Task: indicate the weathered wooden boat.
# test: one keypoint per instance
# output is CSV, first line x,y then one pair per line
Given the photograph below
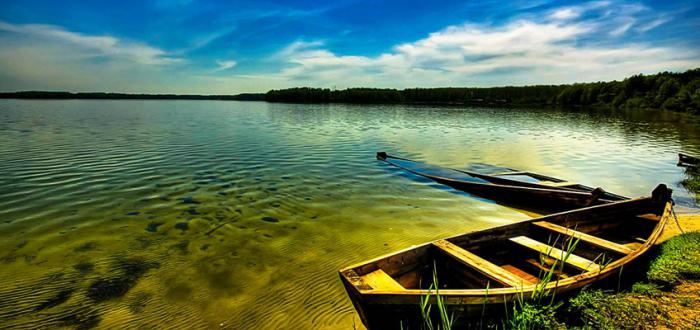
x,y
687,160
515,188
488,268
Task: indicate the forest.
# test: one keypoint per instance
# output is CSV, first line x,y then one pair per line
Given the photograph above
x,y
666,90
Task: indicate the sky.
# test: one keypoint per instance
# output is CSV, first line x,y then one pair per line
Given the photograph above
x,y
229,47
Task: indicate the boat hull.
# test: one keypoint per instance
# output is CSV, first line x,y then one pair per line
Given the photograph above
x,y
520,194
381,307
687,160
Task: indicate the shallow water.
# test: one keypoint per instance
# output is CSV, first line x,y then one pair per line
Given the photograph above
x,y
239,214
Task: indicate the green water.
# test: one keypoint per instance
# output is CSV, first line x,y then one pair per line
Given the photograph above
x,y
197,214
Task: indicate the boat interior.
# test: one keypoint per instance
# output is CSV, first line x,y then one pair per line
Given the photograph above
x,y
520,254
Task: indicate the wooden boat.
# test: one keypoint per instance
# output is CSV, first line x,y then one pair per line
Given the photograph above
x,y
488,268
515,188
688,160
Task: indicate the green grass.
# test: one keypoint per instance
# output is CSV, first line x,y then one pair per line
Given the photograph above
x,y
445,320
679,258
603,310
647,289
528,316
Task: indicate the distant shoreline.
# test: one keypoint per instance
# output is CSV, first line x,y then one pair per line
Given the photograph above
x,y
45,95
674,91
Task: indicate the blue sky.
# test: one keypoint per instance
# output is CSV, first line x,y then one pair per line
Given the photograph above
x,y
194,46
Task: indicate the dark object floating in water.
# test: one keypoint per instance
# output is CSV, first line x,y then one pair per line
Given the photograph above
x,y
525,190
133,213
130,271
190,200
688,160
182,226
153,226
54,301
192,211
494,267
270,219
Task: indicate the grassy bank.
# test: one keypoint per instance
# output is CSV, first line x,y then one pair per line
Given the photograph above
x,y
667,296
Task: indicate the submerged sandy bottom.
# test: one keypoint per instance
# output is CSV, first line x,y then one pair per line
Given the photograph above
x,y
208,214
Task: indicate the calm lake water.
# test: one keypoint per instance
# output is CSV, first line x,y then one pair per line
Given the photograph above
x,y
202,214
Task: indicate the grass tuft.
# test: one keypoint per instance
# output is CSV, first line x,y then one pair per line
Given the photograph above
x,y
603,310
679,258
647,289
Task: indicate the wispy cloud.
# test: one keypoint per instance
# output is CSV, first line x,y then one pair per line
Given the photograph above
x,y
93,45
565,13
225,65
653,24
524,51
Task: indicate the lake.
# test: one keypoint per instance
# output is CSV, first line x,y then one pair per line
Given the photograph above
x,y
202,214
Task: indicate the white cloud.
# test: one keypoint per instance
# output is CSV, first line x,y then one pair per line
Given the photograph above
x,y
565,13
586,42
90,45
526,51
225,65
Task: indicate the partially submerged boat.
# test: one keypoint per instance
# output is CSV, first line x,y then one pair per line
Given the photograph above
x,y
688,160
488,268
515,188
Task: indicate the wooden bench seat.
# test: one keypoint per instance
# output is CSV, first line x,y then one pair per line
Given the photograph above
x,y
590,239
552,252
483,266
379,280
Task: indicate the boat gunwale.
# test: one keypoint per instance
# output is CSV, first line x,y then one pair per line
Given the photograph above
x,y
502,293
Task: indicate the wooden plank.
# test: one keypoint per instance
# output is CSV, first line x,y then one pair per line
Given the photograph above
x,y
552,252
521,273
481,265
590,239
546,268
509,173
379,280
558,184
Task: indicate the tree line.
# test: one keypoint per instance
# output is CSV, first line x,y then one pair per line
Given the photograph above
x,y
666,90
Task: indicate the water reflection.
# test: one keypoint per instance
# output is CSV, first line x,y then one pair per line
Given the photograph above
x,y
172,213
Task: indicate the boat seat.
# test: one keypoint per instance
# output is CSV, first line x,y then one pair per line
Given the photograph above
x,y
546,268
483,266
531,279
552,252
379,280
590,239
